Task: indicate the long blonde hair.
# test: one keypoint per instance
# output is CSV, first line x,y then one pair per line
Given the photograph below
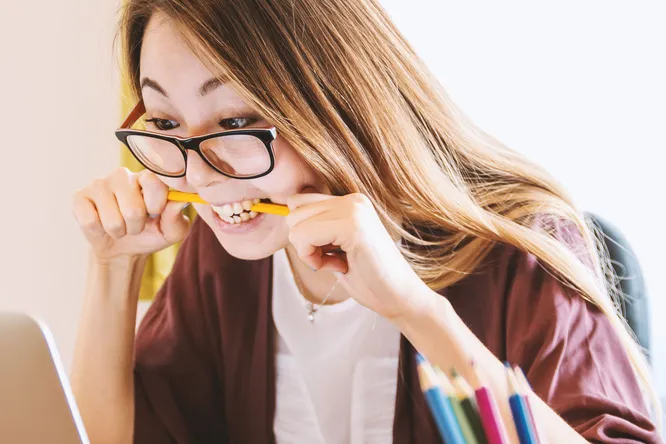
x,y
349,93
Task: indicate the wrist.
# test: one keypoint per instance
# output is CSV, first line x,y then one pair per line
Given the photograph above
x,y
120,263
115,279
422,305
434,328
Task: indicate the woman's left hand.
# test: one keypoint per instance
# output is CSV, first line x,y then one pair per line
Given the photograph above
x,y
372,269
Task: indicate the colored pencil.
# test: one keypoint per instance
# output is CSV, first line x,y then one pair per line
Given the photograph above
x,y
469,407
452,397
524,388
261,207
519,410
488,411
440,408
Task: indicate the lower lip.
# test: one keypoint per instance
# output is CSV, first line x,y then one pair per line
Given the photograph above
x,y
240,228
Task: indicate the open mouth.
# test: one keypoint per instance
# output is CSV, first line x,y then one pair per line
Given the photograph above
x,y
237,212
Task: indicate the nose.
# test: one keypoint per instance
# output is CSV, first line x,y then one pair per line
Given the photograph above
x,y
198,173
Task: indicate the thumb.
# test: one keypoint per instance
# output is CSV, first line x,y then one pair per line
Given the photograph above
x,y
174,225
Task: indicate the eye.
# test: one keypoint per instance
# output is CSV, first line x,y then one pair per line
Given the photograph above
x,y
163,124
236,122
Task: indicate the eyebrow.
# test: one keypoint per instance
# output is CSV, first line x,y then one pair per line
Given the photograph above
x,y
206,88
147,82
209,86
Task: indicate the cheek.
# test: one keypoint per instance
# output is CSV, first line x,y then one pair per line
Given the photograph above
x,y
177,183
290,172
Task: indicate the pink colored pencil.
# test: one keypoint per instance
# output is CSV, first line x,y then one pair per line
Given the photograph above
x,y
489,412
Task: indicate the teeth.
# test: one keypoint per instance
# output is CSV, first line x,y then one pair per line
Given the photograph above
x,y
236,212
237,219
227,210
223,211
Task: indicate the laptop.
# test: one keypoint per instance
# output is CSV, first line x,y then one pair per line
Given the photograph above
x,y
36,402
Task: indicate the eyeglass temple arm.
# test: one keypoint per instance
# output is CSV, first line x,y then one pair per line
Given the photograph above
x,y
137,112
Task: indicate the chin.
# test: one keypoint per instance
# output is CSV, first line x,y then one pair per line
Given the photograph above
x,y
253,253
249,241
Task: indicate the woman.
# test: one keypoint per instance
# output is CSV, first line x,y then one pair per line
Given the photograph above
x,y
409,229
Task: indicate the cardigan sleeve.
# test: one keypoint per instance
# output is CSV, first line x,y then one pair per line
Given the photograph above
x,y
572,357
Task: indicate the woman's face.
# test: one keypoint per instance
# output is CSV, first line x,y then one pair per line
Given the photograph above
x,y
172,79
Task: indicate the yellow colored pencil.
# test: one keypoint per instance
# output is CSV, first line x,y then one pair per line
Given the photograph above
x,y
261,207
179,196
450,392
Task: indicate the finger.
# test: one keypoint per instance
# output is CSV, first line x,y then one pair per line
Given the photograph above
x,y
154,192
108,211
315,233
335,262
311,209
298,200
317,259
330,249
86,216
130,202
313,239
174,225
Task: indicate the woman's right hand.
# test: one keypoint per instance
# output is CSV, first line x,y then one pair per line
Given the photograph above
x,y
128,214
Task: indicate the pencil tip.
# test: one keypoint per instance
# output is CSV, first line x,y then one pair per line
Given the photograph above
x,y
420,359
507,364
454,372
511,379
522,378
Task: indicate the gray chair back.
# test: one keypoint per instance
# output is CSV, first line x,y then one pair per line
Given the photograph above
x,y
635,304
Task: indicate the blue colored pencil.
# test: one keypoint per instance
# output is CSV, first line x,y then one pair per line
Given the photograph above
x,y
524,389
519,411
441,409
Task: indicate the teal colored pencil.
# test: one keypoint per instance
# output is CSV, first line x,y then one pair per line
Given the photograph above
x,y
441,409
450,392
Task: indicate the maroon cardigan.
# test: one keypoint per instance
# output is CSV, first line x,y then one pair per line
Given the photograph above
x,y
205,351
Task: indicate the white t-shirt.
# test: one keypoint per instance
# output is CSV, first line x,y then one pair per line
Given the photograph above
x,y
336,379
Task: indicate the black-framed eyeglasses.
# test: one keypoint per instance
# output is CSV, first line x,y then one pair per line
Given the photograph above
x,y
239,154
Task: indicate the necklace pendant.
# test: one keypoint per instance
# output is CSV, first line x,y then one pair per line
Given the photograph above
x,y
312,311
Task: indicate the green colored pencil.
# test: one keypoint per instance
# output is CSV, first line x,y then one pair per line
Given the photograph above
x,y
450,392
468,404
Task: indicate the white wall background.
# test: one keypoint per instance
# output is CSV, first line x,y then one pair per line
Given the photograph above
x,y
58,110
578,86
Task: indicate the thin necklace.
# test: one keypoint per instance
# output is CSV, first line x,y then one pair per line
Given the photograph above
x,y
312,308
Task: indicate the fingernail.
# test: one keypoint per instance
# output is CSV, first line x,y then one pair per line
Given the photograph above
x,y
153,216
338,274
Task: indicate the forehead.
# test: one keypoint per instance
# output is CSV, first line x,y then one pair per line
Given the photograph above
x,y
167,59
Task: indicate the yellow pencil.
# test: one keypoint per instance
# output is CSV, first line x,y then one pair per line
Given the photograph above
x,y
179,196
261,207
